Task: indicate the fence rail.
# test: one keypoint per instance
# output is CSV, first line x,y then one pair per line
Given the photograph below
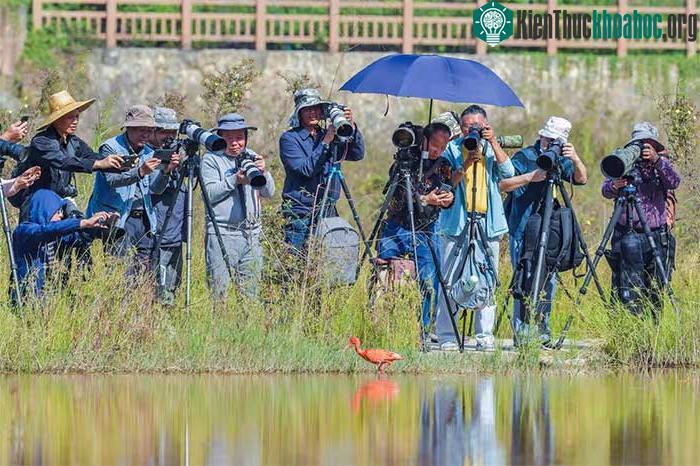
x,y
404,24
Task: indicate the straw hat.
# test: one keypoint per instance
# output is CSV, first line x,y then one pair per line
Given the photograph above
x,y
61,104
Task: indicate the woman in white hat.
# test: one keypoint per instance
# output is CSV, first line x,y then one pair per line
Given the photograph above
x,y
59,152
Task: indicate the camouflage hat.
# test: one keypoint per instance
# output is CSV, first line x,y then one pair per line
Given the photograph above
x,y
302,99
645,131
166,118
451,121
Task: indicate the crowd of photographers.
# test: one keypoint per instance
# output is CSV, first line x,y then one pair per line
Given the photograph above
x,y
449,180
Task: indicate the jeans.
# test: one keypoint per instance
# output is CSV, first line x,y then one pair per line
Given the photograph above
x,y
545,306
169,273
485,317
296,232
396,241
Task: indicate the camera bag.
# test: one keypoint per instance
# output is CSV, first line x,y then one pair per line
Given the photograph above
x,y
340,249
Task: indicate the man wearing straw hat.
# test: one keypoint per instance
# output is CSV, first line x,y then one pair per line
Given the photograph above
x,y
60,153
128,193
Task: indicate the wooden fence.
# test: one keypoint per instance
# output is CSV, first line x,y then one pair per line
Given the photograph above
x,y
328,24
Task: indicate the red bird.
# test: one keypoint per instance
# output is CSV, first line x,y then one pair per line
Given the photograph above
x,y
382,358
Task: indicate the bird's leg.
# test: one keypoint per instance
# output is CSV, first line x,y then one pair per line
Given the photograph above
x,y
380,368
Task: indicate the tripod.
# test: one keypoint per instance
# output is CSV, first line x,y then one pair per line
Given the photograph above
x,y
554,181
626,201
403,174
192,170
8,239
336,173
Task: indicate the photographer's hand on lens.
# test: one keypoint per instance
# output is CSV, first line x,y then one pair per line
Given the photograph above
x,y
174,163
649,153
148,167
113,162
330,134
348,115
489,134
16,132
538,175
260,162
241,178
569,151
619,183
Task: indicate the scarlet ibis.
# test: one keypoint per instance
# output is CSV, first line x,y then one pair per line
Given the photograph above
x,y
382,358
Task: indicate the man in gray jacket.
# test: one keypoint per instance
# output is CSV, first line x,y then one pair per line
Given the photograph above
x,y
236,206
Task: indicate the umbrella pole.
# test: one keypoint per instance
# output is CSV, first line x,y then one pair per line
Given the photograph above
x,y
430,112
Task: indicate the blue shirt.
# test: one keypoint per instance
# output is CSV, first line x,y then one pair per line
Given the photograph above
x,y
524,201
307,162
10,149
454,219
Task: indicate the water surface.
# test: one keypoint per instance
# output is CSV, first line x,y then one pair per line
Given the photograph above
x,y
342,420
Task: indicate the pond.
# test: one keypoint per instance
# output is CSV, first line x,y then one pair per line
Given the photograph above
x,y
346,420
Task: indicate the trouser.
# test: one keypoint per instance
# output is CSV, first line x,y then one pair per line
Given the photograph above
x,y
134,241
544,306
169,273
298,227
485,317
635,278
396,241
246,258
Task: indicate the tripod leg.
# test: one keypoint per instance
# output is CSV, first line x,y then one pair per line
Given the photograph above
x,y
443,287
155,256
582,242
488,253
353,209
10,250
212,218
609,230
541,248
188,256
657,255
390,188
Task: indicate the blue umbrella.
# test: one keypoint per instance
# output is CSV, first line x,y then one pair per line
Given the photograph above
x,y
433,77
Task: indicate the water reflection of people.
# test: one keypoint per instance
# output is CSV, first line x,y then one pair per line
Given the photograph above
x,y
445,439
532,436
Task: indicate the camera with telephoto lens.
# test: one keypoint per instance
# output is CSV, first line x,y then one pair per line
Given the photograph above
x,y
254,176
549,159
475,134
335,113
196,133
408,139
622,161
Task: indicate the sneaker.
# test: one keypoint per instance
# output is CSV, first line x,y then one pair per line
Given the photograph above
x,y
449,346
485,346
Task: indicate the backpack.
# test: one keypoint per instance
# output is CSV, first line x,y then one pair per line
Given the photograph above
x,y
339,244
563,251
476,285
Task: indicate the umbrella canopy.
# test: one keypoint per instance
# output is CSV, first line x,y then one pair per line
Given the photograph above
x,y
433,77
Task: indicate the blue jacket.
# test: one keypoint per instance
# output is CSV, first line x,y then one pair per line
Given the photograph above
x,y
175,233
30,238
524,201
454,219
115,192
10,149
307,162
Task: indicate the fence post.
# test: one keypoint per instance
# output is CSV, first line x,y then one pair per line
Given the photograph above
x,y
111,32
260,25
186,21
480,44
552,42
37,14
690,8
333,23
407,46
621,42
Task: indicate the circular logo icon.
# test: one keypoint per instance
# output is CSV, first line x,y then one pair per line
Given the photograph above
x,y
493,23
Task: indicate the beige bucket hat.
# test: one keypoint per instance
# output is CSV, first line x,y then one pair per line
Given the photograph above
x,y
61,104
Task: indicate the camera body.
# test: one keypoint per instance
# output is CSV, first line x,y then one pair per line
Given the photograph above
x,y
550,158
130,161
335,113
408,139
247,162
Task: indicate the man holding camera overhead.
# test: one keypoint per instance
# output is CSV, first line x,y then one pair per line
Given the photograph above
x,y
634,272
527,191
306,154
128,192
235,180
491,164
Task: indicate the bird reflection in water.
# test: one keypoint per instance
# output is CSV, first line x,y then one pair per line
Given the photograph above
x,y
373,393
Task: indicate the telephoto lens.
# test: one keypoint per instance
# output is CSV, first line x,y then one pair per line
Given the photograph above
x,y
550,157
472,138
405,135
621,161
514,141
211,141
255,177
336,114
